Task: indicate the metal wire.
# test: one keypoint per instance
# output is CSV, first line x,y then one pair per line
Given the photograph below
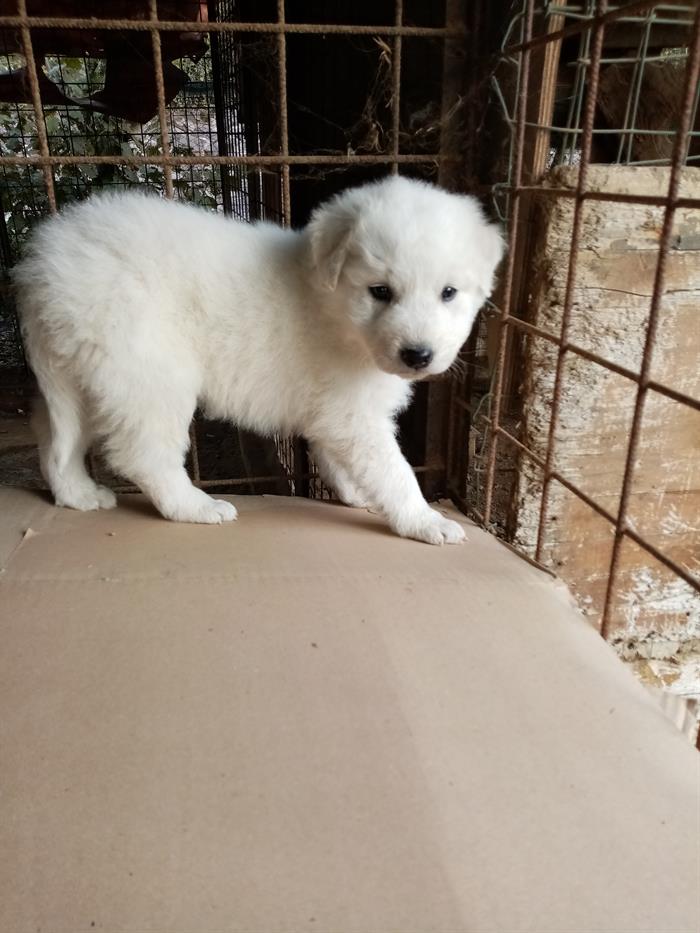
x,y
586,23
500,368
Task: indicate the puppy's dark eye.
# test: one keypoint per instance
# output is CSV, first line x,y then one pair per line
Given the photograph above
x,y
381,293
448,293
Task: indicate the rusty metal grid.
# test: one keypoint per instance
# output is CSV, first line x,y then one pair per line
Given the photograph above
x,y
301,472
24,23
507,312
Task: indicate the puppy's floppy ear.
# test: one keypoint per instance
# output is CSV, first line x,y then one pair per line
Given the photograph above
x,y
483,240
330,232
493,245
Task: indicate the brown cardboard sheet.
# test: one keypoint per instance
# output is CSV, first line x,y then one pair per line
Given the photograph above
x,y
300,722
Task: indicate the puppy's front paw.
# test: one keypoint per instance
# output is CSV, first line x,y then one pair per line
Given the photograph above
x,y
432,528
214,512
228,512
201,509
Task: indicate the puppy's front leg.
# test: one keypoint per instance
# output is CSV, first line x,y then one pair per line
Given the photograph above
x,y
336,476
375,464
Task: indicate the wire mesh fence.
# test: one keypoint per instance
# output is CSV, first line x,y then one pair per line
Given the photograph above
x,y
562,78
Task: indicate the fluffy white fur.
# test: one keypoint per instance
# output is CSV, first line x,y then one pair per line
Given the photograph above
x,y
135,310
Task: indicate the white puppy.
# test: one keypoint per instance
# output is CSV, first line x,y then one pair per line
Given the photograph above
x,y
135,310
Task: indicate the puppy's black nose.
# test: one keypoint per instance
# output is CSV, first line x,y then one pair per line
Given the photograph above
x,y
417,357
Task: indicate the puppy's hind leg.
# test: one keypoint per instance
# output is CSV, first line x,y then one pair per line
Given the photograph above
x,y
60,425
148,443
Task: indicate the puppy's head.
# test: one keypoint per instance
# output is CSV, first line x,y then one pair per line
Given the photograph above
x,y
406,266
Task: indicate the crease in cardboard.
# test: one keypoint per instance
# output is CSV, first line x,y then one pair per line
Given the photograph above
x,y
26,536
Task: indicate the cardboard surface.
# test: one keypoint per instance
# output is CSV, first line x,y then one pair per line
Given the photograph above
x,y
300,722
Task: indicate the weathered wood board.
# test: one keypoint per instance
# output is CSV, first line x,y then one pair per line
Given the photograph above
x,y
654,610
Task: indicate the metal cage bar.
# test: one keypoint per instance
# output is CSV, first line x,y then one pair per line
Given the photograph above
x,y
396,88
589,116
160,95
33,77
508,295
138,25
252,160
284,117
